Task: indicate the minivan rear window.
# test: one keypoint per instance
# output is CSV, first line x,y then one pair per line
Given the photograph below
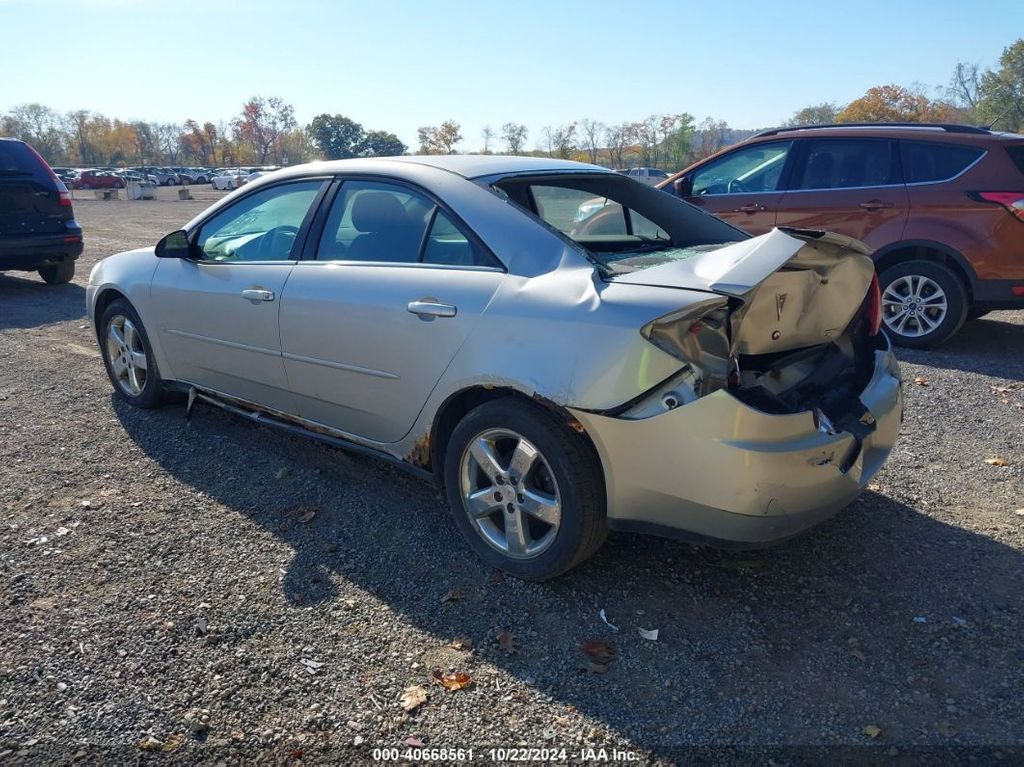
x,y
1017,155
16,159
924,162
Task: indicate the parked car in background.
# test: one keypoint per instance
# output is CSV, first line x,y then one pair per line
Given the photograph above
x,y
98,179
649,176
230,178
941,206
163,176
38,231
671,374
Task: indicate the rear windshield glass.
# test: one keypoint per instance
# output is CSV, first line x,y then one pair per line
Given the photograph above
x,y
16,159
623,225
923,162
1017,155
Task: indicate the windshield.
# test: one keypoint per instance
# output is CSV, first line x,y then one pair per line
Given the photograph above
x,y
623,226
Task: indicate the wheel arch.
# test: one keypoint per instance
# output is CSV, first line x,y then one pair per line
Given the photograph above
x,y
927,250
431,454
105,298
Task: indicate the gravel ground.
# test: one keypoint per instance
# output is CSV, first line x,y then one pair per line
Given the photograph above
x,y
211,588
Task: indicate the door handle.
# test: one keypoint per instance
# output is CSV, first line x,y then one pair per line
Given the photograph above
x,y
430,308
257,295
751,207
876,204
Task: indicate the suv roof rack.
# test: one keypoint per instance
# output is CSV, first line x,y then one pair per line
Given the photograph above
x,y
948,127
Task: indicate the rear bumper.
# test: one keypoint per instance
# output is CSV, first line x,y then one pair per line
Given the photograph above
x,y
998,294
30,253
719,470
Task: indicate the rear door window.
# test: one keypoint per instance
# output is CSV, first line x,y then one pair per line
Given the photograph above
x,y
925,162
846,163
1017,155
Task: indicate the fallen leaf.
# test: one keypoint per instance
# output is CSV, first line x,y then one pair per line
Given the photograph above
x,y
149,743
874,487
454,595
172,742
462,643
1001,389
507,642
413,697
1019,512
872,731
858,653
600,651
413,742
947,729
607,623
306,514
650,635
997,461
283,472
920,380
454,681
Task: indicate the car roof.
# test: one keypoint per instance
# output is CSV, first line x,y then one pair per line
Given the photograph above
x,y
930,131
473,165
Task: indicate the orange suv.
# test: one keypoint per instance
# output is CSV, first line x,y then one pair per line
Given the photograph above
x,y
942,206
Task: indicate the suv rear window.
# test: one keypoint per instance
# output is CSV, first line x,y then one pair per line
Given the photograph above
x,y
1017,155
924,162
17,160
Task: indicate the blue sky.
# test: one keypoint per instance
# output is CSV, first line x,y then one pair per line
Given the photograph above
x,y
396,65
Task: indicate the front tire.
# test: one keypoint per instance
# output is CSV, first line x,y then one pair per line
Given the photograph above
x,y
58,274
128,357
923,303
526,492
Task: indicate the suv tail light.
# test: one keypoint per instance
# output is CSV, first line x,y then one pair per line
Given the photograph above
x,y
65,196
1012,201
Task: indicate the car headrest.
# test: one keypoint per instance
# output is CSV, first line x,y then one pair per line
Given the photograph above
x,y
377,211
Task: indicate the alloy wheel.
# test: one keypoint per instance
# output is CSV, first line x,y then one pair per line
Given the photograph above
x,y
913,305
509,493
127,355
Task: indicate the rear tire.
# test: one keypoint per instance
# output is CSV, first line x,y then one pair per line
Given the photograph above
x,y
924,303
558,501
128,357
58,274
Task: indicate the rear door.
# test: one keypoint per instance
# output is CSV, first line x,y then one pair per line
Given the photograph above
x,y
30,202
371,322
743,186
852,186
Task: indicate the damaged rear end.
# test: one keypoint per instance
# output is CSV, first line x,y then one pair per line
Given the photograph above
x,y
787,402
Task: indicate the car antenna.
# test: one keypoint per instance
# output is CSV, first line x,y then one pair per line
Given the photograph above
x,y
1000,117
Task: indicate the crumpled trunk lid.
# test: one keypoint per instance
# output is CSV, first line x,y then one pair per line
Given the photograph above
x,y
792,288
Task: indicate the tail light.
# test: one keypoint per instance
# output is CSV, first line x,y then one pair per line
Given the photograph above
x,y
873,306
1012,201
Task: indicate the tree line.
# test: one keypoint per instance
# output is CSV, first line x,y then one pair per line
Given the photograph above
x,y
265,132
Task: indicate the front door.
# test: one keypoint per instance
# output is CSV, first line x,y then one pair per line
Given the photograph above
x,y
742,186
851,186
217,314
369,326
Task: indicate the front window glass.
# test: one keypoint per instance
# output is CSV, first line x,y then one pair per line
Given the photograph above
x,y
756,168
260,227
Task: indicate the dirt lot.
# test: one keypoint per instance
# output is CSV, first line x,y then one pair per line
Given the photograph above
x,y
214,587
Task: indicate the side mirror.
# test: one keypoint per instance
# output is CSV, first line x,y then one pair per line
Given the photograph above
x,y
684,186
174,245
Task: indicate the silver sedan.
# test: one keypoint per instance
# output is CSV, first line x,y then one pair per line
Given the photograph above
x,y
564,350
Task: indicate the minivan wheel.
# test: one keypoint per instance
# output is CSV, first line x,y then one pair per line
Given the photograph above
x,y
58,274
526,492
128,357
923,303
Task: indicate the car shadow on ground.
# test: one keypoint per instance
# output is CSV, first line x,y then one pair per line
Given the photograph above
x,y
989,346
28,303
882,614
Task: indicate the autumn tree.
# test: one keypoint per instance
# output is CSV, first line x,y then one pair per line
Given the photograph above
x,y
261,124
442,139
1001,92
563,140
592,132
893,103
816,114
619,138
40,126
379,143
711,136
514,136
678,144
487,134
336,136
